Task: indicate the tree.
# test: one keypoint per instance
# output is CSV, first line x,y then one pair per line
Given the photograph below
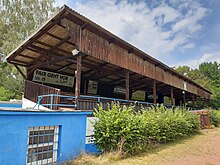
x,y
184,70
207,75
211,71
18,19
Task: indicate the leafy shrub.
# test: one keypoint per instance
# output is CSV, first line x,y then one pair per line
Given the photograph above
x,y
121,128
214,118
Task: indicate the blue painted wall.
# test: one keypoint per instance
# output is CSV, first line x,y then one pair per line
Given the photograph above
x,y
14,133
91,148
10,105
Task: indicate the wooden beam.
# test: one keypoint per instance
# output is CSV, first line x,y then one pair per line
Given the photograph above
x,y
45,51
46,63
121,78
42,54
127,86
78,78
106,74
184,98
155,91
52,61
60,43
171,93
130,51
32,58
64,67
98,67
17,62
20,71
111,40
59,38
50,46
38,35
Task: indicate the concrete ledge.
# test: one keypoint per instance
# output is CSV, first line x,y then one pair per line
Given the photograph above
x,y
13,111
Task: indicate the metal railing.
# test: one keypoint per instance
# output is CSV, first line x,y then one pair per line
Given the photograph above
x,y
99,99
52,104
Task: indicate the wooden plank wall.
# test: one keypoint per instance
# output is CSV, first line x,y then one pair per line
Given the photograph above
x,y
98,47
33,90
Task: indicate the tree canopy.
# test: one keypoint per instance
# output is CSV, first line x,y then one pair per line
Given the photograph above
x,y
18,19
207,75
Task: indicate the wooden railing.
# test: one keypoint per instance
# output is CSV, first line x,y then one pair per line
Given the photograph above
x,y
33,90
91,102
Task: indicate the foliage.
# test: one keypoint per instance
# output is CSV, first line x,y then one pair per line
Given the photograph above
x,y
121,128
10,82
118,126
18,19
215,118
5,94
207,75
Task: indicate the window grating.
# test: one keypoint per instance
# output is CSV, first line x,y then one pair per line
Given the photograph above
x,y
42,145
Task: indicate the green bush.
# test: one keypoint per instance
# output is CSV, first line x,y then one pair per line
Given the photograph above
x,y
121,128
215,118
118,127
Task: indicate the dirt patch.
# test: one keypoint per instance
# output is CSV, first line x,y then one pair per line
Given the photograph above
x,y
203,150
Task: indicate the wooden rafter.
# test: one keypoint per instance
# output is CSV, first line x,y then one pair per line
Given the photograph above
x,y
20,71
43,31
53,61
64,67
106,73
50,46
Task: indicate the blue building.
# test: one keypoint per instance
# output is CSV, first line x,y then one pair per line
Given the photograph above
x,y
41,137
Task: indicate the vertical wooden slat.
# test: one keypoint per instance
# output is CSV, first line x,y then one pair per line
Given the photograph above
x,y
33,90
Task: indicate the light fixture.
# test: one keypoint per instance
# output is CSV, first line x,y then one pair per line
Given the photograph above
x,y
75,52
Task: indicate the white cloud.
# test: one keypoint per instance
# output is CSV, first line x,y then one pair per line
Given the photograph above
x,y
207,57
61,2
158,30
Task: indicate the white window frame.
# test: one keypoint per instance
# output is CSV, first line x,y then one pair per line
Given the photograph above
x,y
54,143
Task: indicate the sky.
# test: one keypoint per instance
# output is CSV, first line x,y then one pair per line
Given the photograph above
x,y
176,32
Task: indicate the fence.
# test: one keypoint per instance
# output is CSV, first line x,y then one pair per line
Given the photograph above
x,y
33,90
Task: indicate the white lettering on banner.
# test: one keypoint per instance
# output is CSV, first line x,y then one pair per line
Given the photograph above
x,y
53,78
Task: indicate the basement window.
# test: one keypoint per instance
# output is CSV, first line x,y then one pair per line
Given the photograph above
x,y
42,145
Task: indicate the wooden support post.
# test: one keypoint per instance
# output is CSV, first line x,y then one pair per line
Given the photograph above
x,y
78,78
85,87
193,100
20,71
155,91
171,93
184,98
127,86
